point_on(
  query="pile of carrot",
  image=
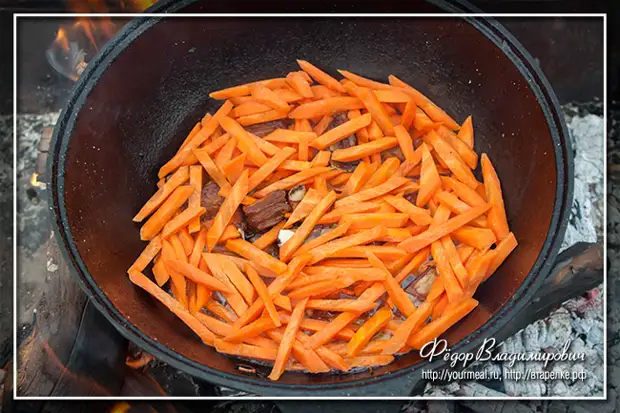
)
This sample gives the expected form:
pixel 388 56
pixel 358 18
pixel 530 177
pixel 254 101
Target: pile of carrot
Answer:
pixel 389 219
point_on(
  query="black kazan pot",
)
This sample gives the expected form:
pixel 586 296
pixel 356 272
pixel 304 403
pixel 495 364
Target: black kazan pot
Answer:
pixel 137 100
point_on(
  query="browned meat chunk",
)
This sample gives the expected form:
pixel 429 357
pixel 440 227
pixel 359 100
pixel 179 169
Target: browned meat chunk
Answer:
pixel 267 212
pixel 394 152
pixel 411 197
pixel 264 129
pixel 339 119
pixel 319 230
pixel 211 200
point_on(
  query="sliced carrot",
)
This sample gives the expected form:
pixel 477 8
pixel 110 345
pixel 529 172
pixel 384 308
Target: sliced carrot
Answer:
pixel 323 124
pixel 227 210
pixel 246 350
pixel 503 249
pixel 392 96
pixel 266 96
pixel 342 305
pixel 479 238
pixel 465 152
pixel 333 247
pixel 371 220
pixel 321 159
pixel 322 92
pixel 250 107
pixel 304 208
pixel 174 306
pixel 362 81
pixel 452 159
pixel 429 178
pixel 225 153
pixel 337 213
pixel 244 90
pixel 437 327
pixel 468 195
pixel 327 106
pixel 214 145
pixel 269 166
pixel 196 275
pixel 383 173
pixel 211 168
pixel 321 288
pixel 288 339
pixel 440 306
pixel 165 212
pixel 384 252
pixel 340 132
pixel 236 277
pixel 372 193
pixel 368 330
pixel 287 249
pixel 425 103
pixel 179 177
pixel 314 325
pixel 466 132
pixel 245 142
pixel 250 330
pixel 497 214
pixel 195 180
pixel 409 114
pixel 263 293
pixel 477 270
pixel 320 76
pixel 291 181
pixel 363 150
pixel 255 255
pixel 269 237
pixel 405 142
pixel 398 296
pixel 450 282
pixel 308 358
pixel 262 117
pixel 418 215
pixel 182 220
pixel 147 255
pixel 404 331
pixel 289 136
pixel 234 168
pixel 160 272
pixel 377 111
pixel 221 311
pixel 432 234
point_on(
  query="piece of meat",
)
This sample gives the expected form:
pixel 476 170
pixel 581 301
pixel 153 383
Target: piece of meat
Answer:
pixel 263 129
pixel 210 200
pixel 319 230
pixel 273 250
pixel 411 196
pixel 394 152
pixel 267 212
pixel 339 119
pixel 423 283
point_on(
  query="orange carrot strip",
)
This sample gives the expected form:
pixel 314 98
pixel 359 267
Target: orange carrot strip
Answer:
pixel 455 261
pixel 199 245
pixel 308 358
pixel 465 252
pixel 295 165
pixel 322 92
pixel 194 131
pixel 165 212
pixel 362 81
pixel 221 311
pixel 250 107
pixel 360 151
pixel 371 193
pixel 304 208
pixel 179 177
pixel 340 132
pixel 432 234
pixel 174 306
pixel 470 196
pixel 299 84
pixel 429 178
pixel 370 220
pixel 503 249
pixel 392 96
pixel 385 171
pixel 182 220
pixel 233 169
pixel 269 237
pixel 263 294
pixel 368 330
pixel 377 111
pixel 408 115
pixel 289 136
pixel 413 265
pixel 245 350
pixel 286 345
pixel 195 180
pixel 322 239
pixel 147 255
pixel 497 214
pixel 186 240
pixel 329 357
pixel 466 132
pixel 269 166
pixel 211 168
pixel 330 248
pixel 477 269
pixel 218 327
pixel 343 305
pixel 256 255
pixel 465 152
pixel 215 144
pixel 323 124
pixel 479 238
pixel 405 142
pixel 398 296
pixel 227 210
pixel 440 306
pixel 207 130
pixel 266 96
pixel 327 106
pixel 403 332
pixel 225 153
pixel 244 90
pixel 321 159
pixel 262 117
pixel 320 76
pixel 384 252
pixel 452 159
pixel 321 288
pixel 418 215
pixel 233 297
pixel 160 272
pixel 314 325
pixel 457 206
pixel 436 290
pixel 432 110
pixel 337 213
pixel 196 275
pixel 290 181
pixel 245 142
pixel 236 277
pixel 450 282
pixel 287 249
pixel 437 327
pixel 250 330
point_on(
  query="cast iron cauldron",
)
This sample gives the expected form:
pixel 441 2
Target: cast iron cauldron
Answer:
pixel 140 96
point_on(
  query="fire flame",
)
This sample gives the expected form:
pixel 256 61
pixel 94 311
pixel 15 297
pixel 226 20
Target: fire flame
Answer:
pixel 34 181
pixel 121 407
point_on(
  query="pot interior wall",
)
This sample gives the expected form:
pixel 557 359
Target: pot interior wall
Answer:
pixel 151 95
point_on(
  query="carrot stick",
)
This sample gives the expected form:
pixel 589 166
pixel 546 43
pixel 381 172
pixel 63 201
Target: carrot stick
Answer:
pixel 363 82
pixel 322 239
pixel 392 96
pixel 432 234
pixel 479 238
pixel 503 249
pixel 323 124
pixel 357 179
pixel 169 253
pixel 340 132
pixel 465 152
pixel 195 180
pixel 497 214
pixel 147 255
pixel 327 106
pixel 322 92
pixel 437 327
pixel 343 305
pixel 215 144
pixel 371 193
pixel 232 295
pixel 211 168
pixel 221 311
pixel 245 142
pixel 418 215
pixel 440 306
pixel 314 325
pixel 365 149
pixel 182 220
pixel 299 84
pixel 331 248
pixel 377 111
pixel 262 117
pixel 250 330
pixel 320 76
pixel 425 103
pixel 384 252
pixel 429 178
pixel 225 153
pixel 337 213
pixel 287 249
pixel 321 288
pixel 194 131
pixel 266 96
pixel 403 332
pixel 466 132
pixel 250 107
pixel 477 270
pixel 451 284
pixel 304 208
pixel 160 272
pixel 269 237
pixel 174 306
pixel 308 358
pixel 269 166
pixel 405 142
pixel 409 114
pixel 234 168
pixel 263 293
pixel 368 330
pixel 291 181
pixel 289 136
pixel 452 159
pixel 244 90
pixel 255 255
pixel 245 350
pixel 179 177
pixel 227 210
pixel 371 220
pixel 329 357
pixel 397 294
pixel 468 195
pixel 207 130
pixel 457 206
pixel 236 277
pixel 385 171
pixel 321 159
pixel 165 212
pixel 288 339
pixel 196 275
